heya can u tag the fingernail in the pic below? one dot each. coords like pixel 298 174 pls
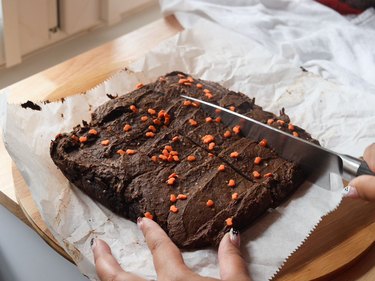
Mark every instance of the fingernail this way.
pixel 234 237
pixel 350 191
pixel 92 243
pixel 139 222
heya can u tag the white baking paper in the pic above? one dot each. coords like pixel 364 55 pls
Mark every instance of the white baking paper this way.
pixel 210 52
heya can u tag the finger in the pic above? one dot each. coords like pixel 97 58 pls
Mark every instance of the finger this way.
pixel 167 257
pixel 361 187
pixel 369 156
pixel 232 264
pixel 107 266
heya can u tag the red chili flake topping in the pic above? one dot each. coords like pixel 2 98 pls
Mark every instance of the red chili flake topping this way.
pixel 121 152
pixel 270 121
pixel 131 151
pixel 206 91
pixel 199 86
pixel 133 108
pixel 149 216
pixel 168 147
pixel 73 137
pixel 172 198
pixel 237 129
pixel 167 118
pixel 195 104
pixel 182 81
pixel 257 160
pixel 188 84
pixel 234 154
pixel 163 157
pixel 154 158
pixel 227 134
pixel 176 139
pixel 173 209
pixel 190 79
pixel 210 203
pixel 208 138
pixel 209 95
pixel 211 146
pixel 161 114
pixel 165 152
pixel 175 158
pixel 127 128
pixel 93 132
pixel 150 134
pixel 181 75
pixel 173 175
pixel 211 155
pixel 217 110
pixel 174 152
pixel 105 142
pixel 256 174
pixel 152 129
pixel 218 119
pixel 156 121
pixel 139 85
pixel 221 168
pixel 291 127
pixel 235 196
pixel 263 142
pixel 151 111
pixel 191 158
pixel 192 122
pixel 232 108
pixel 162 79
pixel 280 122
pixel 268 175
pixel 208 119
pixel 171 181
pixel 144 118
pixel 232 183
pixel 170 158
pixel 295 134
pixel 82 139
pixel 181 197
pixel 229 221
pixel 186 103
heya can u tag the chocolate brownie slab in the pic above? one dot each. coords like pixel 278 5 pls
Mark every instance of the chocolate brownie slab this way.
pixel 152 153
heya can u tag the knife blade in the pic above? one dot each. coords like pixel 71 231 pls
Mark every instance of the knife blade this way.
pixel 321 166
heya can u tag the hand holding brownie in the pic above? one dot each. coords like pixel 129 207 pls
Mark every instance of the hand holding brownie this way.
pixel 168 261
pixel 364 186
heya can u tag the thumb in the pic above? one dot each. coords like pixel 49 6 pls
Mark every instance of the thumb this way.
pixel 107 266
pixel 232 264
pixel 361 187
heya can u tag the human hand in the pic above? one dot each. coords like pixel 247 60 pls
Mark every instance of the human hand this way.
pixel 168 261
pixel 364 186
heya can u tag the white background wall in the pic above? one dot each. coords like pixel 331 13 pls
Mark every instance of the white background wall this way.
pixel 29 23
pixel 77 44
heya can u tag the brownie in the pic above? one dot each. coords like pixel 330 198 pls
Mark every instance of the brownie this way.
pixel 152 153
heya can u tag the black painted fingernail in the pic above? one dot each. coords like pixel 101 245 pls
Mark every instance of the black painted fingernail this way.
pixel 92 242
pixel 139 222
pixel 234 237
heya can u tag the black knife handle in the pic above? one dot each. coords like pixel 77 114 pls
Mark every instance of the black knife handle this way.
pixel 364 169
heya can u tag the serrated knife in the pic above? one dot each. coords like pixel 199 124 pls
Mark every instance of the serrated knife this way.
pixel 321 165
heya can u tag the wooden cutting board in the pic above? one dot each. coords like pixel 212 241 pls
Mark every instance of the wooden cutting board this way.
pixel 338 241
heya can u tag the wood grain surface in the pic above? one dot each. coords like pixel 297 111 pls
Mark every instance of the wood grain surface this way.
pixel 339 248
